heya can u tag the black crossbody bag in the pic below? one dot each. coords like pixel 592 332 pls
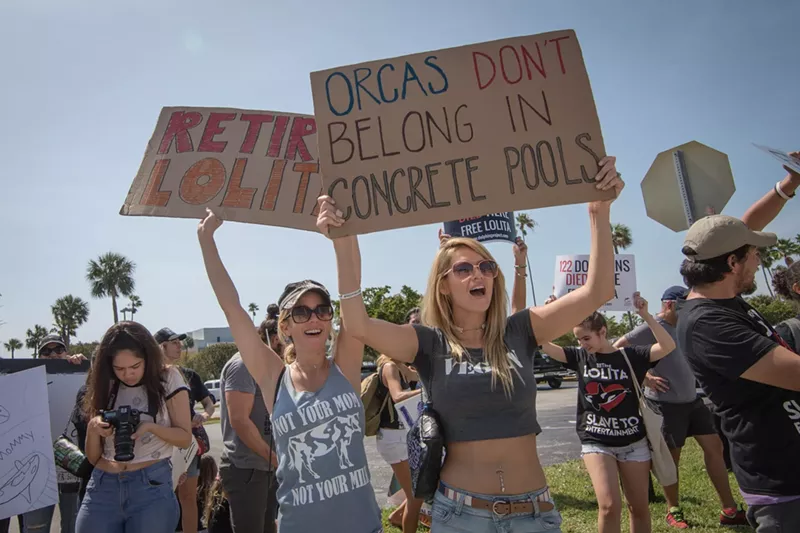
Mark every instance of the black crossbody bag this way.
pixel 425 443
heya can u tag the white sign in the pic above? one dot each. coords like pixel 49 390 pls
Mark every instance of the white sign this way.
pixel 408 411
pixel 572 271
pixel 27 466
pixel 783 157
pixel 181 459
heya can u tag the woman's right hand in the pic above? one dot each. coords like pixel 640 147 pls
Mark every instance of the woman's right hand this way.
pixel 100 428
pixel 329 216
pixel 208 225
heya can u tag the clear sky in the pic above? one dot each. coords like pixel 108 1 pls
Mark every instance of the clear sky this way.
pixel 83 83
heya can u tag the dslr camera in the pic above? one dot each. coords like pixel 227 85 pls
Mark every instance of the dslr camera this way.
pixel 125 421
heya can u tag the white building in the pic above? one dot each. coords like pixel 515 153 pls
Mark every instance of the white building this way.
pixel 207 336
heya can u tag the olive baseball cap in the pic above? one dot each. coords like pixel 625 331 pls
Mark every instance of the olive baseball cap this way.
pixel 717 235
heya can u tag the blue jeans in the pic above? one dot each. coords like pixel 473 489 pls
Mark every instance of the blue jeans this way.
pixel 450 516
pixel 141 501
pixel 39 521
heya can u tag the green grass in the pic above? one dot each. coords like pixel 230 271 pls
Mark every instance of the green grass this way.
pixel 572 491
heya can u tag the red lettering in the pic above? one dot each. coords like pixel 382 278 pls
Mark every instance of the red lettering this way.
pixel 178 128
pixel 235 195
pixel 302 189
pixel 255 121
pixel 477 70
pixel 558 50
pixel 503 65
pixel 276 139
pixel 213 128
pixel 300 128
pixel 528 56
pixel 153 195
pixel 274 184
pixel 203 181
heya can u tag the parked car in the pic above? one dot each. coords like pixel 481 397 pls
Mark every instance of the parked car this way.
pixel 213 388
pixel 549 371
pixel 367 368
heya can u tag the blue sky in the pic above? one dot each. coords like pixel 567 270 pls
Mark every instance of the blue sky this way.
pixel 84 81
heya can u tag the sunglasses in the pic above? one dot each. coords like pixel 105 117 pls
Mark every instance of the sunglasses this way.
pixel 46 352
pixel 302 313
pixel 464 270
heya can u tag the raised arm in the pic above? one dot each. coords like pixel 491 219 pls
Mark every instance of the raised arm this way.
pixel 519 292
pixel 665 344
pixel 553 320
pixel 767 208
pixel 554 351
pixel 391 378
pixel 264 364
pixel 399 342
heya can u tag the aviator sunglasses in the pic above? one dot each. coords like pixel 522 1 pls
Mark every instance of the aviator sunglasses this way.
pixel 45 352
pixel 302 313
pixel 463 270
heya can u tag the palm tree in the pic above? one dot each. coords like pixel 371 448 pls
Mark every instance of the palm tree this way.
pixel 188 343
pixel 253 308
pixel 525 223
pixel 125 311
pixel 768 257
pixel 34 338
pixel 111 276
pixel 13 345
pixel 621 237
pixel 69 313
pixel 787 248
pixel 135 304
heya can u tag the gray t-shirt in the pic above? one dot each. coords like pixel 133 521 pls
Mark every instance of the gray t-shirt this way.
pixel 462 394
pixel 323 477
pixel 674 367
pixel 236 377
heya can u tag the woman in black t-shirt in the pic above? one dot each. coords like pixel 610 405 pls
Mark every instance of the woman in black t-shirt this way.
pixel 610 427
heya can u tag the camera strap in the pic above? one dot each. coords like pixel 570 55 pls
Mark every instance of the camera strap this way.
pixel 152 410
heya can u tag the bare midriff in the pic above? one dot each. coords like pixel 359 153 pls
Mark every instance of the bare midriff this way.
pixel 499 466
pixel 116 467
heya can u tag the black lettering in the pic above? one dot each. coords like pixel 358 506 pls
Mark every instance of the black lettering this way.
pixel 541 164
pixel 341 137
pixel 430 120
pixel 359 129
pixel 579 141
pixel 359 214
pixel 383 145
pixel 470 170
pixel 384 193
pixel 407 208
pixel 529 149
pixel 511 115
pixel 414 185
pixel 430 172
pixel 452 165
pixel 421 131
pixel 546 118
pixel 564 164
pixel 332 188
pixel 509 166
pixel 466 125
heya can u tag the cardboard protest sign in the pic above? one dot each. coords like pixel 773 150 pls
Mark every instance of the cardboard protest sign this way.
pixel 783 157
pixel 250 166
pixel 572 271
pixel 489 228
pixel 456 133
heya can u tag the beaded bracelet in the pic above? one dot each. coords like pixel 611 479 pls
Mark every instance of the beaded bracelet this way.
pixel 350 295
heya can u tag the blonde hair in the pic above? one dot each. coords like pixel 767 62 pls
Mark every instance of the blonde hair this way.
pixel 289 351
pixel 437 312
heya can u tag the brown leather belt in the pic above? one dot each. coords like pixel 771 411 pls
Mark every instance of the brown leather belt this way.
pixel 499 506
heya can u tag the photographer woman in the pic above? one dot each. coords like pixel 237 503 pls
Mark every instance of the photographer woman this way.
pixel 133 405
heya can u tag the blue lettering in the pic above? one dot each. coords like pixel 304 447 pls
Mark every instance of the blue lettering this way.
pixel 359 81
pixel 437 68
pixel 349 91
pixel 411 75
pixel 380 84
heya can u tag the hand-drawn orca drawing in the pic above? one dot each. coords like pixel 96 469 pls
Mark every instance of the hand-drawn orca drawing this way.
pixel 22 476
pixel 4 415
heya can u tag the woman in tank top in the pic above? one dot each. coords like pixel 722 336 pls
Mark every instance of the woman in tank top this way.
pixel 476 364
pixel 132 492
pixel 316 412
pixel 611 430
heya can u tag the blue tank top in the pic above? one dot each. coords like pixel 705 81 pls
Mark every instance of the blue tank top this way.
pixel 324 480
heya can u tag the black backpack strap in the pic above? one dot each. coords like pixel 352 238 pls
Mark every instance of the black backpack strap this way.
pixel 278 386
pixel 112 396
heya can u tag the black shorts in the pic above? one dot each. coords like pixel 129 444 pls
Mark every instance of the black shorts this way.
pixel 682 420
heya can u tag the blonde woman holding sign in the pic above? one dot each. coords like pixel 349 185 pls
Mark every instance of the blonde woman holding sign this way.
pixel 476 365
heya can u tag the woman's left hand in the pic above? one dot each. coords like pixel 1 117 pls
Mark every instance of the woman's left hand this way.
pixel 640 304
pixel 329 216
pixel 142 429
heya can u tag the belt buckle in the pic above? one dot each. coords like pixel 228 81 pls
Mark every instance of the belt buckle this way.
pixel 494 508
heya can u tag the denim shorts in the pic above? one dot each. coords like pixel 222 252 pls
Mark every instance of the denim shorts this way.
pixel 450 516
pixel 141 501
pixel 638 452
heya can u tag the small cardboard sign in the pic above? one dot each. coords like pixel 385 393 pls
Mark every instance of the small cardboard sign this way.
pixel 249 166
pixel 457 133
pixel 783 157
pixel 489 228
pixel 572 271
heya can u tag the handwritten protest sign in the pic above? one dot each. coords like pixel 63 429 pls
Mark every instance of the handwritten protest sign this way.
pixel 788 160
pixel 489 228
pixel 572 271
pixel 461 132
pixel 250 166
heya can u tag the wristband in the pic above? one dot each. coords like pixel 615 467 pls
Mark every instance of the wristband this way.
pixel 520 266
pixel 350 295
pixel 782 194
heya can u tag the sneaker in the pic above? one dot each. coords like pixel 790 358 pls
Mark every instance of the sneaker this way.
pixel 733 517
pixel 675 518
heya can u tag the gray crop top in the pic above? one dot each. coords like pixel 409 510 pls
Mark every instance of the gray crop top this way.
pixel 462 392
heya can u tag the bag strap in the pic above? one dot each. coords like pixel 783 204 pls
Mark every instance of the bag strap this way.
pixel 278 388
pixel 112 395
pixel 387 395
pixel 633 374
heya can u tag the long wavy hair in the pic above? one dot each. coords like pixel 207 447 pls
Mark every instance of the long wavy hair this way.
pixel 437 312
pixel 124 336
pixel 784 280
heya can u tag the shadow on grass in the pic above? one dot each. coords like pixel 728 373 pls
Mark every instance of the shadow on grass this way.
pixel 566 501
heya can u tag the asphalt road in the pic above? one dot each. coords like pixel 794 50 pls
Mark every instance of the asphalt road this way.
pixel 556 444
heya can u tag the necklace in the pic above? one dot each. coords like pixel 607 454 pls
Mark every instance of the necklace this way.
pixel 314 367
pixel 462 330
